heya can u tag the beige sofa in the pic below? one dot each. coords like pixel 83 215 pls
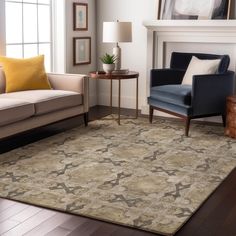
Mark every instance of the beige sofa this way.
pixel 26 110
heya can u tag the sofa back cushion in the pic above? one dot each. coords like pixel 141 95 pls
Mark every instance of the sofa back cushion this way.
pixel 181 60
pixel 2 81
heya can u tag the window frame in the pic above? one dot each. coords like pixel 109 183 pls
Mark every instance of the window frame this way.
pixel 38 43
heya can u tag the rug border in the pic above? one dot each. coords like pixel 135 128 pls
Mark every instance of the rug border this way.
pixel 121 224
pixel 216 188
pixel 88 217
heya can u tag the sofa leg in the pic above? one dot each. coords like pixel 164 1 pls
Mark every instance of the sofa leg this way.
pixel 150 114
pixel 224 120
pixel 187 125
pixel 86 119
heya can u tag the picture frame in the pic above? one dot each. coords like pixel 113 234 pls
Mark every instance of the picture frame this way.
pixel 80 16
pixel 81 50
pixel 159 9
pixel 194 10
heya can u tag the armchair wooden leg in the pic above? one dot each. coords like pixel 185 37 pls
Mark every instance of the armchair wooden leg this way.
pixel 86 119
pixel 224 120
pixel 150 114
pixel 187 125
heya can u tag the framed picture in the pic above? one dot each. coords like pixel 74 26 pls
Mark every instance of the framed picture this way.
pixel 221 9
pixel 80 16
pixel 82 50
pixel 192 9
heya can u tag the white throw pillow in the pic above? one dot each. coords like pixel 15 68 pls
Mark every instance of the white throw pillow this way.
pixel 200 67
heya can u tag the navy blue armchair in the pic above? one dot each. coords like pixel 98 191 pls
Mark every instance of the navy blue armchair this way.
pixel 205 97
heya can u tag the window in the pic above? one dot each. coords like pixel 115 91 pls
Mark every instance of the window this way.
pixel 28 29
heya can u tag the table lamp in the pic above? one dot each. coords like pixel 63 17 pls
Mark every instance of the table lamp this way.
pixel 117 32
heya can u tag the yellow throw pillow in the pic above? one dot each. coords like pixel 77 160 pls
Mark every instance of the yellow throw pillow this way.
pixel 24 74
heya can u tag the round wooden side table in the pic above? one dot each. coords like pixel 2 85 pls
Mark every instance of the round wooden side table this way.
pixel 122 76
pixel 230 129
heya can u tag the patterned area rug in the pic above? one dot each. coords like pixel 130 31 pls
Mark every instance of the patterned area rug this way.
pixel 140 175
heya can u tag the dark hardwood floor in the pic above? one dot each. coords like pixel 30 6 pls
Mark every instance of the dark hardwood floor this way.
pixel 216 217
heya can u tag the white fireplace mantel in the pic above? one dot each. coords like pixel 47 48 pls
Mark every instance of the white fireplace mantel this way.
pixel 191 25
pixel 186 31
pixel 160 32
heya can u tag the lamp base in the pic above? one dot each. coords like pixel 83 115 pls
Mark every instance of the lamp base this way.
pixel 117 53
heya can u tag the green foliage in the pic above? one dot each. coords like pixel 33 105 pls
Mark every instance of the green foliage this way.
pixel 108 59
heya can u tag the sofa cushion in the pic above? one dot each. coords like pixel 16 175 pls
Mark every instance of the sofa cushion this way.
pixel 13 110
pixel 46 101
pixel 24 74
pixel 174 94
pixel 200 67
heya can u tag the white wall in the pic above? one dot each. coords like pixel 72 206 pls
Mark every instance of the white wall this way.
pixel 70 33
pixel 133 54
pixel 59 36
pixel 2 28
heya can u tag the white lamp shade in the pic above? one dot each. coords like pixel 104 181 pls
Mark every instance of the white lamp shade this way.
pixel 115 32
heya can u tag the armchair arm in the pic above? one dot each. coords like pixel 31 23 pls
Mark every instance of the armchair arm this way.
pixel 209 93
pixel 71 82
pixel 166 76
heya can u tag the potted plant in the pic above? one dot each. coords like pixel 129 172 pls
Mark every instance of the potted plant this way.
pixel 108 62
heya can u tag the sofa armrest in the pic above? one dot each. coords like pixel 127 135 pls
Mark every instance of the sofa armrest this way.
pixel 166 76
pixel 209 92
pixel 71 82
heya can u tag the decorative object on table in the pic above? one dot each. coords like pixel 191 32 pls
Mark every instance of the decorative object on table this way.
pixel 230 129
pixel 117 32
pixel 204 98
pixel 100 72
pixel 119 77
pixel 88 169
pixel 80 16
pixel 192 9
pixel 121 71
pixel 82 50
pixel 108 62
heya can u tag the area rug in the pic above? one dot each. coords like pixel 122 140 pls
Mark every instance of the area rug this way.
pixel 147 176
